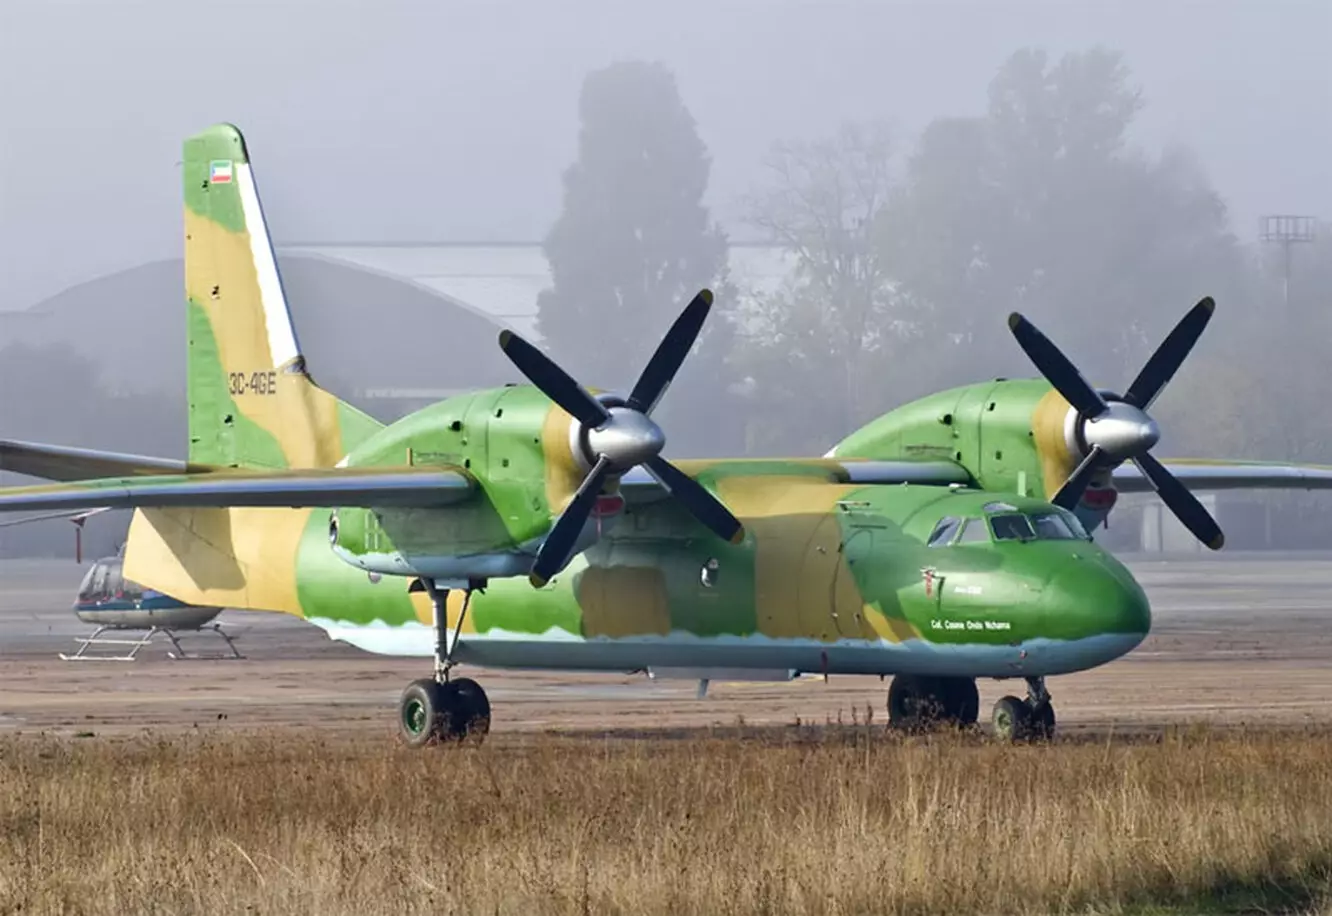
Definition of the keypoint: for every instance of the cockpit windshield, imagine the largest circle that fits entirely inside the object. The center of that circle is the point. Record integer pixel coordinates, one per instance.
(1008, 523)
(1012, 526)
(1056, 526)
(1050, 525)
(105, 583)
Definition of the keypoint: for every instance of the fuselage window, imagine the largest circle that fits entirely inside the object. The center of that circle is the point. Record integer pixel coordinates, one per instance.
(1011, 527)
(943, 532)
(974, 532)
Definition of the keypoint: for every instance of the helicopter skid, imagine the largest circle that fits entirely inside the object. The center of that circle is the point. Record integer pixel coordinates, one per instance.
(135, 645)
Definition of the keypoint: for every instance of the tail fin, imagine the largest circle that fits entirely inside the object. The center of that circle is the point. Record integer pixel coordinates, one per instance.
(251, 401)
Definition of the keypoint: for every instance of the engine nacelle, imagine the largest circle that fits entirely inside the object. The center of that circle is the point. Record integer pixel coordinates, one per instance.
(1019, 436)
(518, 448)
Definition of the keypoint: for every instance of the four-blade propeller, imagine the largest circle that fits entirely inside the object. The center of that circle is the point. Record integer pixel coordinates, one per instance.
(616, 435)
(1110, 429)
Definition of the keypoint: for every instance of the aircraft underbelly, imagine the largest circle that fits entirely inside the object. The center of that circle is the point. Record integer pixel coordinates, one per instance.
(563, 651)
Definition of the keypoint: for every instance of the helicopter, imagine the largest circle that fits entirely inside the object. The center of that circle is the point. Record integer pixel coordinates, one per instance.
(118, 606)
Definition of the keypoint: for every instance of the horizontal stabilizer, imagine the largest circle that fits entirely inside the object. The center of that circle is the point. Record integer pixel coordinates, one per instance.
(63, 462)
(334, 487)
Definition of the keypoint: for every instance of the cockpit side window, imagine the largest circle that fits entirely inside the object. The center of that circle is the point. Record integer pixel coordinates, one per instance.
(1075, 525)
(974, 532)
(943, 532)
(1052, 526)
(1011, 527)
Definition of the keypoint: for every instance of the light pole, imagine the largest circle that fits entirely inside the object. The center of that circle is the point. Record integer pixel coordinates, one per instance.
(1286, 230)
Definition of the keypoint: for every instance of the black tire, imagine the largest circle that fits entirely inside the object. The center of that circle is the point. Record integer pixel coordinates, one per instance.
(963, 701)
(422, 716)
(916, 703)
(1011, 720)
(1043, 722)
(471, 710)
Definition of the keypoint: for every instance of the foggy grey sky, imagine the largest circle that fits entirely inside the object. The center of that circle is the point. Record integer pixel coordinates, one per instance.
(411, 121)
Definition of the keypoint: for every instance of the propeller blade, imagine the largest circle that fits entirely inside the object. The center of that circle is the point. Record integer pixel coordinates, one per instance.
(1170, 355)
(701, 504)
(670, 354)
(555, 550)
(553, 381)
(1056, 368)
(1181, 502)
(1072, 490)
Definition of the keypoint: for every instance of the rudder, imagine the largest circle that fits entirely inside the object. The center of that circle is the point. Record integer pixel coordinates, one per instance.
(251, 401)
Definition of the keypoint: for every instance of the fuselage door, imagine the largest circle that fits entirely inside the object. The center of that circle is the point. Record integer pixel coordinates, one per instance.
(848, 601)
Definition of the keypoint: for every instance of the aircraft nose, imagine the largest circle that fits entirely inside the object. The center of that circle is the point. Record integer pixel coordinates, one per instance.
(1095, 598)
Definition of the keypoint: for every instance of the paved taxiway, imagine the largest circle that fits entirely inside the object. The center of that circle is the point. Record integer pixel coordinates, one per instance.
(1237, 639)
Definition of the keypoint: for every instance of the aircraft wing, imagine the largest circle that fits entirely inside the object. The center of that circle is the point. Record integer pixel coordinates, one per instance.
(1202, 475)
(640, 486)
(63, 462)
(407, 486)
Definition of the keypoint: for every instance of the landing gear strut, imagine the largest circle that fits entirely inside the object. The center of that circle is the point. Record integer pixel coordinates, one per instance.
(916, 702)
(442, 709)
(1030, 719)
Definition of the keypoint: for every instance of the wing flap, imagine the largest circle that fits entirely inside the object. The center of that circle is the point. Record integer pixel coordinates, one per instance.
(1205, 475)
(370, 487)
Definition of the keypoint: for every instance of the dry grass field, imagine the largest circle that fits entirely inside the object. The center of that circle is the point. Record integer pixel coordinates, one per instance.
(796, 820)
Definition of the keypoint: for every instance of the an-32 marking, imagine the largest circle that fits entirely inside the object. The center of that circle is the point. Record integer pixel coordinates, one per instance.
(252, 382)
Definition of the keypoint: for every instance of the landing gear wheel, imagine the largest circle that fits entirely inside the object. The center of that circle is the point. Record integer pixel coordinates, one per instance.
(917, 703)
(471, 708)
(1030, 719)
(1043, 722)
(422, 719)
(963, 701)
(442, 709)
(431, 713)
(1011, 720)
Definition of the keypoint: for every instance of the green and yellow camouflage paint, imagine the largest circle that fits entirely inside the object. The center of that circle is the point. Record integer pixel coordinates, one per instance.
(834, 572)
(829, 575)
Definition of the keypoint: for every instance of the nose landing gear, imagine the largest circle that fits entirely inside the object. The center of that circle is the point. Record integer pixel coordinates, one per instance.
(438, 709)
(1030, 719)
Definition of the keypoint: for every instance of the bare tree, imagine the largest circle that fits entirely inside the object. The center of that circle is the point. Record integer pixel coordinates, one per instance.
(830, 319)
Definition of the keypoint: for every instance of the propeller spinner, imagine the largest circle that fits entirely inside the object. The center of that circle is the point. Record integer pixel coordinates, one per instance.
(1110, 429)
(617, 436)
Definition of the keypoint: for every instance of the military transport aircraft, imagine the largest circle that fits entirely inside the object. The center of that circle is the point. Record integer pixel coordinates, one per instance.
(539, 526)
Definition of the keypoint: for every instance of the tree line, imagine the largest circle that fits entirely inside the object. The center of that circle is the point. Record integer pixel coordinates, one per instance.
(905, 256)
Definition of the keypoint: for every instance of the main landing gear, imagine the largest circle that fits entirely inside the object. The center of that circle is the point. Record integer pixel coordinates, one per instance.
(917, 703)
(441, 709)
(1030, 719)
(920, 703)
